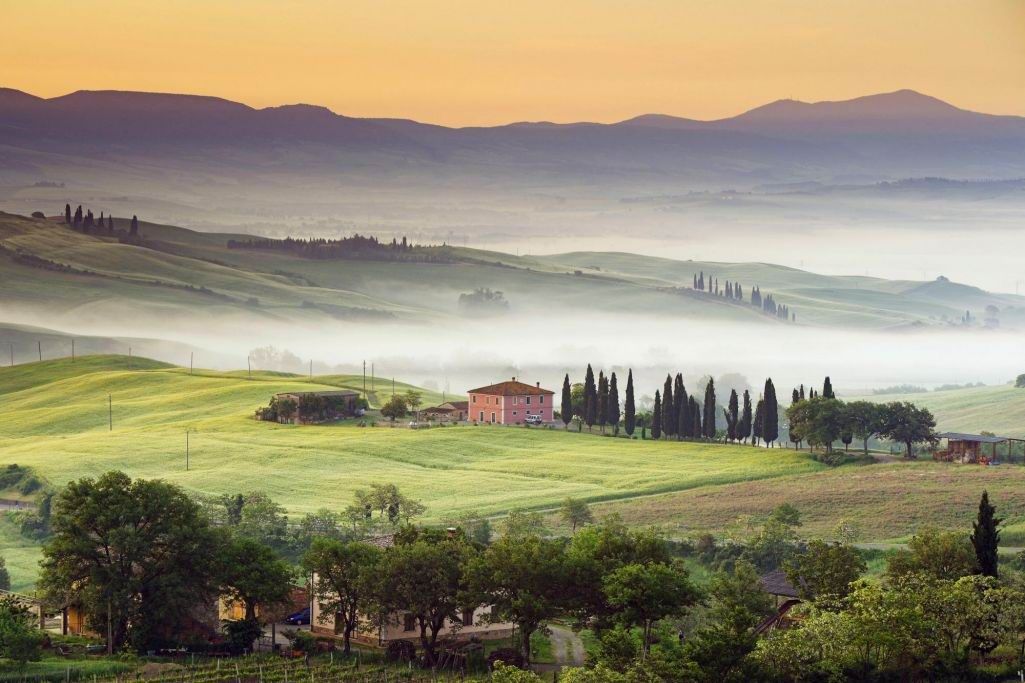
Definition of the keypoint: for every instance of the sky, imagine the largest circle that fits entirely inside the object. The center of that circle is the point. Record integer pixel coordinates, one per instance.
(480, 62)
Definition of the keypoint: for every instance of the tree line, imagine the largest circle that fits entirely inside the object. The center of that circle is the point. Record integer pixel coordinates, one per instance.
(734, 291)
(356, 247)
(87, 223)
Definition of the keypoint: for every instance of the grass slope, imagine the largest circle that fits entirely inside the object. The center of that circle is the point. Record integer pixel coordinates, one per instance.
(998, 409)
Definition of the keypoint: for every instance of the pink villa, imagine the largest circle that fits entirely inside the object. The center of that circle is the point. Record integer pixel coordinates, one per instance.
(511, 403)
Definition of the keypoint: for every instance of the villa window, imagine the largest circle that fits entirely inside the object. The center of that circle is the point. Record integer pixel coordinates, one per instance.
(467, 617)
(409, 622)
(528, 400)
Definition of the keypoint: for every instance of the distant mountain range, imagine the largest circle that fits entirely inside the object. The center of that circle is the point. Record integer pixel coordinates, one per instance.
(197, 159)
(903, 133)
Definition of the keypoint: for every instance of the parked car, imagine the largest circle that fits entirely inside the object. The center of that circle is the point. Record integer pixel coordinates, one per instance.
(534, 420)
(300, 618)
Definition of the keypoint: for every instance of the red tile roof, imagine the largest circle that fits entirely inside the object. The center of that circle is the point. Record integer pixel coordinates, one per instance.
(511, 388)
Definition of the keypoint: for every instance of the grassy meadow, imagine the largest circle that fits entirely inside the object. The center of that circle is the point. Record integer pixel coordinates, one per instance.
(54, 419)
(998, 409)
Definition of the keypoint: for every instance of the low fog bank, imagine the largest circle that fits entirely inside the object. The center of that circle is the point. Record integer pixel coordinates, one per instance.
(456, 355)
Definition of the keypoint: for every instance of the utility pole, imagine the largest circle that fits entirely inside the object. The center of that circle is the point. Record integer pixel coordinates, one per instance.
(364, 379)
(129, 357)
(311, 369)
(72, 350)
(12, 354)
(249, 364)
(192, 357)
(110, 413)
(371, 377)
(186, 450)
(40, 345)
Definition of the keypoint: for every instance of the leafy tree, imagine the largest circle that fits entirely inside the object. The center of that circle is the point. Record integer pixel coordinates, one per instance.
(908, 424)
(647, 593)
(613, 404)
(824, 571)
(746, 418)
(523, 580)
(986, 537)
(254, 576)
(590, 398)
(263, 520)
(941, 555)
(576, 513)
(656, 417)
(737, 605)
(413, 399)
(865, 420)
(630, 409)
(818, 420)
(344, 574)
(770, 414)
(20, 640)
(323, 523)
(394, 408)
(709, 417)
(423, 579)
(1019, 381)
(786, 514)
(668, 410)
(520, 524)
(567, 402)
(136, 555)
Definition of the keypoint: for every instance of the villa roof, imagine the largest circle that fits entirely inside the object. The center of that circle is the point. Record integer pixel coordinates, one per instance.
(776, 583)
(512, 388)
(978, 438)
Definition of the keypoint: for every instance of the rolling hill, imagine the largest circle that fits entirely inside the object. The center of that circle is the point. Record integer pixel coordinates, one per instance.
(54, 276)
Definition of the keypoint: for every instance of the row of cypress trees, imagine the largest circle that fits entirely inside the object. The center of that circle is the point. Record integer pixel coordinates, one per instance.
(601, 402)
(86, 222)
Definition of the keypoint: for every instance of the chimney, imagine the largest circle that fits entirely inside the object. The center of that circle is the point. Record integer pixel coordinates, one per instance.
(537, 384)
(514, 379)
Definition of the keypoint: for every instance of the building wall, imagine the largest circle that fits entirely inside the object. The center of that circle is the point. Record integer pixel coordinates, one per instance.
(510, 409)
(323, 623)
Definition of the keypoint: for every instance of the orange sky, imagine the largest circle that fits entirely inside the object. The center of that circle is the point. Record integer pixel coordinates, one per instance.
(466, 62)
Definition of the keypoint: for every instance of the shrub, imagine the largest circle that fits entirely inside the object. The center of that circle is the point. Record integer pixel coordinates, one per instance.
(400, 651)
(503, 673)
(505, 656)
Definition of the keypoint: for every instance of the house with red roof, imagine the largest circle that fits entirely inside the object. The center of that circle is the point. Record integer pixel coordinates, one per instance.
(512, 403)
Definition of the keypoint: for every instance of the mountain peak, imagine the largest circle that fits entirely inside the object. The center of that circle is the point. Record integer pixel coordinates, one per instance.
(899, 104)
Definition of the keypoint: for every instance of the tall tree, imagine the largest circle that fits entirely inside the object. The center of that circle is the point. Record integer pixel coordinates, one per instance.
(136, 555)
(110, 222)
(756, 426)
(656, 417)
(78, 216)
(668, 411)
(695, 417)
(680, 407)
(746, 418)
(770, 414)
(602, 415)
(613, 403)
(709, 418)
(827, 388)
(865, 420)
(590, 398)
(630, 408)
(908, 424)
(67, 214)
(794, 396)
(254, 576)
(576, 513)
(344, 573)
(732, 416)
(567, 402)
(134, 229)
(643, 594)
(986, 537)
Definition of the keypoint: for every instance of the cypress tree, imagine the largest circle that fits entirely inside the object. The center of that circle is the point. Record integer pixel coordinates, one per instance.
(770, 414)
(986, 537)
(695, 417)
(134, 230)
(613, 411)
(567, 402)
(679, 407)
(794, 397)
(668, 414)
(630, 415)
(802, 392)
(756, 433)
(827, 389)
(110, 222)
(746, 419)
(732, 416)
(709, 417)
(656, 417)
(603, 401)
(590, 398)
(67, 214)
(78, 216)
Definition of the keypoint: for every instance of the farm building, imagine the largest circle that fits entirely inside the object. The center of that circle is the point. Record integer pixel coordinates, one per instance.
(776, 584)
(452, 411)
(974, 448)
(511, 402)
(306, 407)
(470, 625)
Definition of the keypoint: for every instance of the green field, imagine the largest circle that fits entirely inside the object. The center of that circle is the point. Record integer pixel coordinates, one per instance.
(997, 409)
(54, 418)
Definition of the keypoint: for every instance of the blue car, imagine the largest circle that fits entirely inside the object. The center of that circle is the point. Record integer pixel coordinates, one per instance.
(300, 618)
